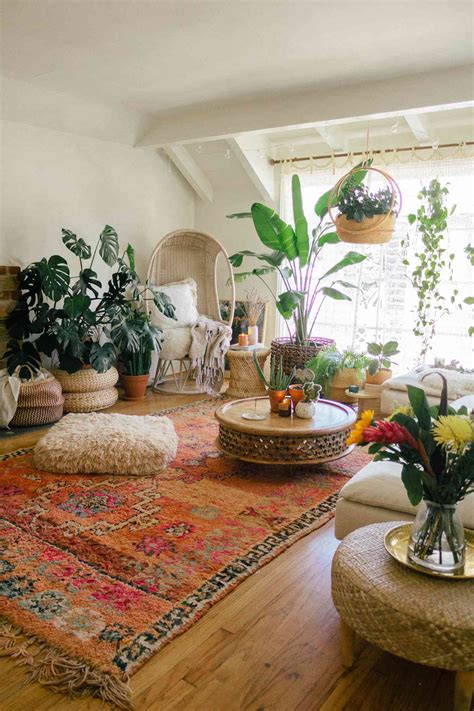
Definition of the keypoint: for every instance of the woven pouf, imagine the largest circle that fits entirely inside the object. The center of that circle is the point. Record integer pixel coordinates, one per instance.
(88, 391)
(40, 402)
(420, 618)
(107, 444)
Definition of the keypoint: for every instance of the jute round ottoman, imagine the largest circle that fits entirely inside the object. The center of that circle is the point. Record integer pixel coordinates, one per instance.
(422, 619)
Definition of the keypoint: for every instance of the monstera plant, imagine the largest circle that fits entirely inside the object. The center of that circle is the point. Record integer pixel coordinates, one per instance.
(68, 317)
(295, 255)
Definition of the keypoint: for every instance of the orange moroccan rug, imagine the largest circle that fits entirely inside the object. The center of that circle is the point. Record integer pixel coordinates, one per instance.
(98, 573)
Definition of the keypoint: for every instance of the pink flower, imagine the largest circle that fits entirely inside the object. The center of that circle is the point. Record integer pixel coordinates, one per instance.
(389, 432)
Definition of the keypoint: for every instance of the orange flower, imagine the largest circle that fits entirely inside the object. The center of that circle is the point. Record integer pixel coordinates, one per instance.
(365, 420)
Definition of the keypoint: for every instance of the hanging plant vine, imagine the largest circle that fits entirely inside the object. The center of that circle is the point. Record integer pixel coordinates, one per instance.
(432, 263)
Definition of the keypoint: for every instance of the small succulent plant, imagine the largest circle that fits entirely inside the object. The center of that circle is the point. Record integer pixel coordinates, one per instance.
(311, 391)
(278, 379)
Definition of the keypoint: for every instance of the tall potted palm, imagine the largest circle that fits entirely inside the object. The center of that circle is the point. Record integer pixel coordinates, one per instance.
(294, 256)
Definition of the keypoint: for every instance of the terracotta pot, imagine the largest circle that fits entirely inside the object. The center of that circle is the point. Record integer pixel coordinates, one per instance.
(340, 383)
(134, 386)
(296, 394)
(275, 397)
(379, 378)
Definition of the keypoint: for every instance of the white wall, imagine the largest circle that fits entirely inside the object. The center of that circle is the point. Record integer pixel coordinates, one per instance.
(236, 235)
(52, 179)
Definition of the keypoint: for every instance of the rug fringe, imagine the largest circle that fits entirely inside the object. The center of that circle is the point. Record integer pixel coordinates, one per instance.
(58, 671)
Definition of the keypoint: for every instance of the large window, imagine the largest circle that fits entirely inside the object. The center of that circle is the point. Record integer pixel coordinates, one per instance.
(384, 306)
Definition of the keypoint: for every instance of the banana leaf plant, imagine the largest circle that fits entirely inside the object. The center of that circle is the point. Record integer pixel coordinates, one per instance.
(67, 318)
(294, 256)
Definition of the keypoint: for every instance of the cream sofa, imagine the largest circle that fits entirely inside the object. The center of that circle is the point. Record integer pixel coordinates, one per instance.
(376, 494)
(394, 391)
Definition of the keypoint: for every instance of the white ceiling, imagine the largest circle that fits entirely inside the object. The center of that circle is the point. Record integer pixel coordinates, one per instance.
(153, 55)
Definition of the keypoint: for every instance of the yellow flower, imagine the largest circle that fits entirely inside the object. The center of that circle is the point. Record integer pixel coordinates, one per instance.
(365, 420)
(402, 409)
(454, 432)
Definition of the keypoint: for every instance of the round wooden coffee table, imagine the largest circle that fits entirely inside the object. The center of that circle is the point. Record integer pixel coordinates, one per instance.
(284, 440)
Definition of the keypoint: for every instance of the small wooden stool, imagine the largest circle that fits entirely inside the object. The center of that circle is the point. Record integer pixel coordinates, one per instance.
(244, 380)
(422, 619)
(368, 399)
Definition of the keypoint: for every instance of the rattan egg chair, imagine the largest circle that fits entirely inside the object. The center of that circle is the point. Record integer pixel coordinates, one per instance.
(180, 255)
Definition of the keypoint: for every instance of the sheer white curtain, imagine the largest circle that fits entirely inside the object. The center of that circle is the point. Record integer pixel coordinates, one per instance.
(384, 306)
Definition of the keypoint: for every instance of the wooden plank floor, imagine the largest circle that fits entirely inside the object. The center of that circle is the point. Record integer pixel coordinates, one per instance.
(271, 644)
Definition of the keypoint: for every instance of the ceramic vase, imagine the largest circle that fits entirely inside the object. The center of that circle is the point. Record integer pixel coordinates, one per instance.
(305, 410)
(253, 335)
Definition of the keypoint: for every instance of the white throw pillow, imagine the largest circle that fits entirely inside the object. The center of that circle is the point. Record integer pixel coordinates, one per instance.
(183, 296)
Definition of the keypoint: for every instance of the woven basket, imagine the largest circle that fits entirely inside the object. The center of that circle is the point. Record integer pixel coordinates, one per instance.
(86, 380)
(39, 403)
(90, 402)
(294, 355)
(374, 230)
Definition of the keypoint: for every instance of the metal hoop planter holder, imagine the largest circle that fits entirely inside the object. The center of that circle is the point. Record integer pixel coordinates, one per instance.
(372, 230)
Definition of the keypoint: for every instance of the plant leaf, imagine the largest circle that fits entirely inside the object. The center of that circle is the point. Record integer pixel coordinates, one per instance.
(349, 259)
(301, 224)
(413, 484)
(288, 301)
(74, 306)
(87, 281)
(102, 357)
(420, 406)
(55, 276)
(109, 245)
(335, 294)
(22, 355)
(239, 215)
(321, 207)
(328, 238)
(76, 245)
(273, 231)
(275, 258)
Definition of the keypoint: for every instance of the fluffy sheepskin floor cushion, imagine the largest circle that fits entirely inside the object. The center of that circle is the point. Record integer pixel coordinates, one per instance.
(95, 443)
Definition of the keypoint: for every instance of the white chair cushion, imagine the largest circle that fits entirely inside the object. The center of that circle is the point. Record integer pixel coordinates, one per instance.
(183, 296)
(380, 484)
(176, 343)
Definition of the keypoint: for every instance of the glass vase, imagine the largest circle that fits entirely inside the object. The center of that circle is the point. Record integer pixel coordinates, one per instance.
(437, 538)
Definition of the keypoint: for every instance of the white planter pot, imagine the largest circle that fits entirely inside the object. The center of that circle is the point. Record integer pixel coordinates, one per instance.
(305, 410)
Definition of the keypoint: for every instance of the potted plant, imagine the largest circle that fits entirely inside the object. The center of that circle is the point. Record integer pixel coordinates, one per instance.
(294, 255)
(277, 385)
(306, 408)
(337, 370)
(365, 217)
(380, 361)
(135, 338)
(435, 447)
(295, 389)
(66, 319)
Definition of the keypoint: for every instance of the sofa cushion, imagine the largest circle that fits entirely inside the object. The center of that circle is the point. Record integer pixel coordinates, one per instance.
(380, 484)
(183, 296)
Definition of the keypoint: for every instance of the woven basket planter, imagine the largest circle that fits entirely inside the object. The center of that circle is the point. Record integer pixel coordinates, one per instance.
(87, 390)
(340, 383)
(86, 380)
(372, 230)
(295, 356)
(39, 403)
(90, 402)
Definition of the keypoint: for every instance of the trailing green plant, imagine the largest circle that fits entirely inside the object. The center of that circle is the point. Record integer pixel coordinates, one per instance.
(330, 361)
(358, 203)
(381, 355)
(278, 379)
(432, 264)
(294, 256)
(67, 317)
(311, 391)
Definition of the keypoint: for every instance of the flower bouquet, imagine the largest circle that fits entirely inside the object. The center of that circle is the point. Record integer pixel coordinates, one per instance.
(435, 447)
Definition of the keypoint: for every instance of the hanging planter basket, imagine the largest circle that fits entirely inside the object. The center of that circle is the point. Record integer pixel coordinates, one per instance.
(372, 230)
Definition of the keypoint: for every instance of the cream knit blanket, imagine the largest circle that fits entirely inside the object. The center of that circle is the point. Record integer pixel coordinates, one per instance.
(210, 342)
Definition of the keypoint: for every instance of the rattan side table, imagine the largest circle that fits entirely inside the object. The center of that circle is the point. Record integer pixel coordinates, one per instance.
(244, 380)
(425, 620)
